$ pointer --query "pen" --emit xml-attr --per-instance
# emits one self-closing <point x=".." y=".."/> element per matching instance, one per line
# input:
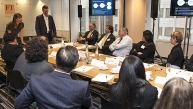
<point x="106" y="76"/>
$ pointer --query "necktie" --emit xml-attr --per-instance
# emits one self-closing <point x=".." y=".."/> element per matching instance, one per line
<point x="88" y="36"/>
<point x="102" y="42"/>
<point x="119" y="40"/>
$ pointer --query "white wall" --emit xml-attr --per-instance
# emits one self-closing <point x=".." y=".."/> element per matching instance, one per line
<point x="29" y="10"/>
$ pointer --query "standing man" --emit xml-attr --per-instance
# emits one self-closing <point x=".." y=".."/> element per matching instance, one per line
<point x="45" y="25"/>
<point x="57" y="90"/>
<point x="122" y="45"/>
<point x="90" y="36"/>
<point x="106" y="40"/>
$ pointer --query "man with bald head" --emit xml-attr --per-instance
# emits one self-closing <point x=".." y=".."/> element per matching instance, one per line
<point x="90" y="36"/>
<point x="57" y="90"/>
<point x="122" y="45"/>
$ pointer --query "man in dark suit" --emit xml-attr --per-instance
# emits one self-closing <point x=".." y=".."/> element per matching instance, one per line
<point x="57" y="90"/>
<point x="45" y="25"/>
<point x="106" y="40"/>
<point x="90" y="36"/>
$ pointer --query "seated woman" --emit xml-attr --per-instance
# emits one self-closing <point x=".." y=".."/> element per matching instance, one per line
<point x="176" y="56"/>
<point x="189" y="64"/>
<point x="132" y="88"/>
<point x="176" y="94"/>
<point x="34" y="61"/>
<point x="145" y="49"/>
<point x="11" y="50"/>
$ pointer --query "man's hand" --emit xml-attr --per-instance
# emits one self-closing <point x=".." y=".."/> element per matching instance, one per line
<point x="54" y="39"/>
<point x="139" y="53"/>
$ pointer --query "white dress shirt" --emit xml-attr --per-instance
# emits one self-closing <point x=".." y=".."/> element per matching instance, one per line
<point x="46" y="22"/>
<point x="123" y="47"/>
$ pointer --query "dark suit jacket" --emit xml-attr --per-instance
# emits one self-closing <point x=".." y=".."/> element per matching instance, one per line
<point x="54" y="90"/>
<point x="40" y="26"/>
<point x="148" y="51"/>
<point x="93" y="38"/>
<point x="176" y="56"/>
<point x="148" y="101"/>
<point x="108" y="42"/>
<point x="11" y="52"/>
<point x="189" y="64"/>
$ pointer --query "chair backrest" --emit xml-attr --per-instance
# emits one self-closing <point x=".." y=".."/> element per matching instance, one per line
<point x="9" y="65"/>
<point x="182" y="64"/>
<point x="16" y="79"/>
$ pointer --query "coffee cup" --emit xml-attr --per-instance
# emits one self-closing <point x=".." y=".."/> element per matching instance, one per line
<point x="103" y="67"/>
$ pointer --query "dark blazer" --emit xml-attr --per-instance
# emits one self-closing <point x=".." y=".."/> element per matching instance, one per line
<point x="176" y="56"/>
<point x="148" y="51"/>
<point x="54" y="90"/>
<point x="189" y="64"/>
<point x="148" y="101"/>
<point x="108" y="42"/>
<point x="40" y="26"/>
<point x="11" y="52"/>
<point x="93" y="38"/>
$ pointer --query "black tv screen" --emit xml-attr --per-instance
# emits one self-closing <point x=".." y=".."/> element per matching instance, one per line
<point x="101" y="7"/>
<point x="181" y="8"/>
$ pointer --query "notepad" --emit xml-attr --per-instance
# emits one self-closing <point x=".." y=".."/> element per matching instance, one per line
<point x="102" y="78"/>
<point x="83" y="68"/>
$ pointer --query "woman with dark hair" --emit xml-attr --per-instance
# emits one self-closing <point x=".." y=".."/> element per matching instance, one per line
<point x="15" y="27"/>
<point x="132" y="89"/>
<point x="176" y="94"/>
<point x="145" y="49"/>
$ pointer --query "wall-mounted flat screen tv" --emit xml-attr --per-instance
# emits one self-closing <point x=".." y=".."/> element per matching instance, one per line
<point x="101" y="7"/>
<point x="181" y="8"/>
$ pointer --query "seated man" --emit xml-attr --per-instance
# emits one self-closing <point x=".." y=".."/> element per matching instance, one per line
<point x="122" y="45"/>
<point x="106" y="40"/>
<point x="145" y="49"/>
<point x="11" y="50"/>
<point x="189" y="64"/>
<point x="57" y="90"/>
<point x="34" y="59"/>
<point x="90" y="36"/>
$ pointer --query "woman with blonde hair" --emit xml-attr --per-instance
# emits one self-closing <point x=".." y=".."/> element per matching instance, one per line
<point x="176" y="94"/>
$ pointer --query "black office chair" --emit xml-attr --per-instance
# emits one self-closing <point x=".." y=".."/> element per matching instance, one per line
<point x="182" y="64"/>
<point x="9" y="64"/>
<point x="16" y="81"/>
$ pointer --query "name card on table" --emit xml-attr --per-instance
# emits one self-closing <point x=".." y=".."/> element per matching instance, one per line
<point x="83" y="68"/>
<point x="96" y="62"/>
<point x="102" y="78"/>
<point x="113" y="61"/>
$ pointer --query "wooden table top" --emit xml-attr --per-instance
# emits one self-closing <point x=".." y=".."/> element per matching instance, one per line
<point x="156" y="69"/>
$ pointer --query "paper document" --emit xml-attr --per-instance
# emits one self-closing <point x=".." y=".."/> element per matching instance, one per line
<point x="53" y="54"/>
<point x="181" y="75"/>
<point x="102" y="77"/>
<point x="160" y="80"/>
<point x="146" y="65"/>
<point x="83" y="68"/>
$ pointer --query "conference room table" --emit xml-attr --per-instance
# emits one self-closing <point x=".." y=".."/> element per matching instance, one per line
<point x="155" y="69"/>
